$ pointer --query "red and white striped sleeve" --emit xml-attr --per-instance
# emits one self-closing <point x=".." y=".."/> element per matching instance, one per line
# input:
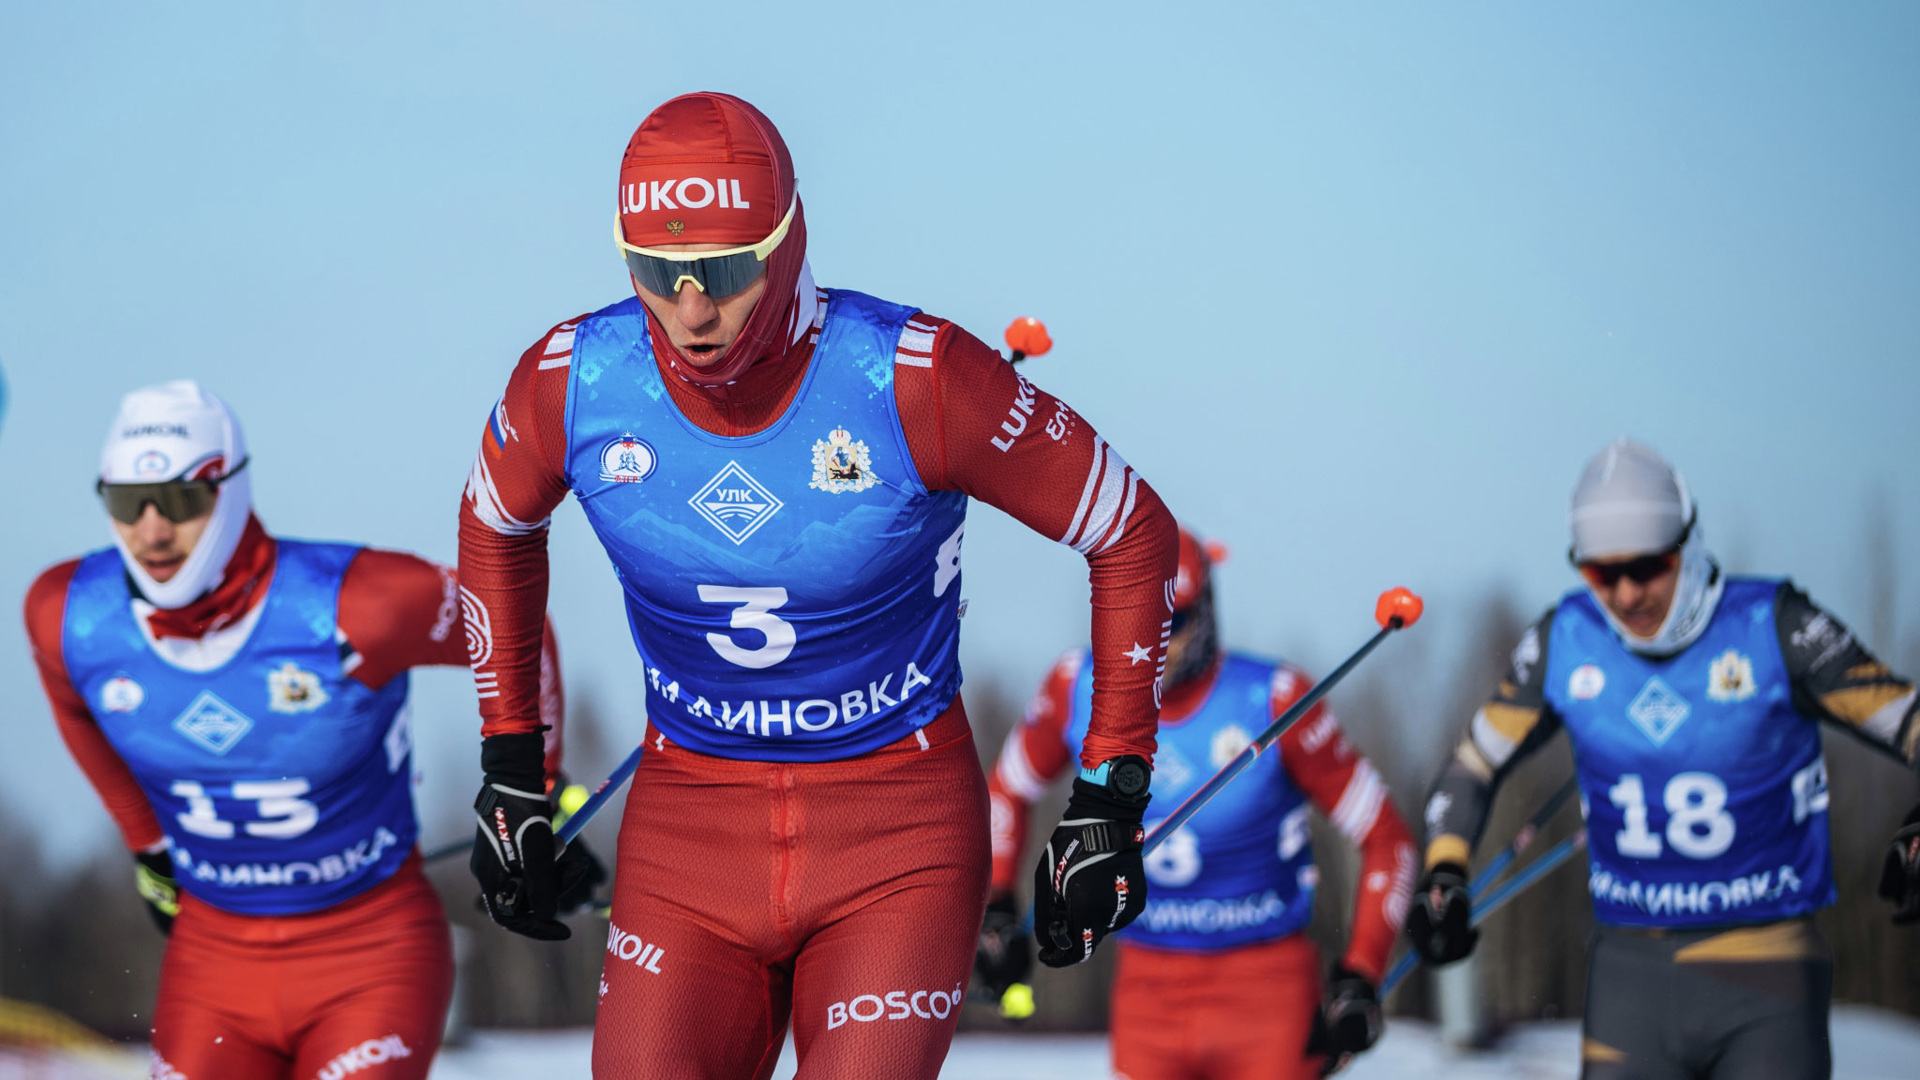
<point x="975" y="424"/>
<point x="1036" y="754"/>
<point x="518" y="477"/>
<point x="399" y="611"/>
<point x="1345" y="786"/>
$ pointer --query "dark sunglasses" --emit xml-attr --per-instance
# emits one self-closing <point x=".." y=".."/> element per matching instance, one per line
<point x="1642" y="570"/>
<point x="177" y="500"/>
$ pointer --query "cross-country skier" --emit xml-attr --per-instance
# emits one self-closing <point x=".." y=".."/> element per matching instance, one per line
<point x="1216" y="977"/>
<point x="239" y="703"/>
<point x="1692" y="698"/>
<point x="780" y="474"/>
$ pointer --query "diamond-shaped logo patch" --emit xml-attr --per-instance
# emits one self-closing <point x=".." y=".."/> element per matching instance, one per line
<point x="735" y="503"/>
<point x="212" y="723"/>
<point x="1170" y="771"/>
<point x="1658" y="710"/>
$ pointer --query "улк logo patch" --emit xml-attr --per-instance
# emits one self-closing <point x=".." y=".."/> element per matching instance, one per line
<point x="1730" y="678"/>
<point x="291" y="690"/>
<point x="212" y="723"/>
<point x="735" y="503"/>
<point x="1658" y="711"/>
<point x="841" y="463"/>
<point x="627" y="460"/>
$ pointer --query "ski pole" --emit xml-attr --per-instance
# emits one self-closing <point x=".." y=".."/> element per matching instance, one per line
<point x="1494" y="868"/>
<point x="577" y="815"/>
<point x="1499" y="863"/>
<point x="1500" y="897"/>
<point x="1548" y="861"/>
<point x="1396" y="609"/>
<point x="608" y="789"/>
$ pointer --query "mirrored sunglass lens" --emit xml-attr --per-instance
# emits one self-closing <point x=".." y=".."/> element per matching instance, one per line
<point x="176" y="502"/>
<point x="1646" y="569"/>
<point x="1641" y="570"/>
<point x="720" y="277"/>
<point x="732" y="274"/>
<point x="654" y="275"/>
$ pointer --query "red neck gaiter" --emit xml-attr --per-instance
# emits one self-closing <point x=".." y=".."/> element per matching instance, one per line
<point x="709" y="168"/>
<point x="245" y="581"/>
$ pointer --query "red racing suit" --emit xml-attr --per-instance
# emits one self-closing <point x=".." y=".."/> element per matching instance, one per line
<point x="1181" y="1013"/>
<point x="830" y="893"/>
<point x="359" y="988"/>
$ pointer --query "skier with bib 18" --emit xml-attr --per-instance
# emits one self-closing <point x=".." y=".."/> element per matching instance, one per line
<point x="1691" y="698"/>
<point x="1217" y="978"/>
<point x="779" y="474"/>
<point x="239" y="703"/>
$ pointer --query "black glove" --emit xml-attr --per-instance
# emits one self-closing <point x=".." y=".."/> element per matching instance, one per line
<point x="153" y="880"/>
<point x="1439" y="922"/>
<point x="1004" y="955"/>
<point x="522" y="877"/>
<point x="1900" y="876"/>
<point x="1090" y="881"/>
<point x="1348" y="1023"/>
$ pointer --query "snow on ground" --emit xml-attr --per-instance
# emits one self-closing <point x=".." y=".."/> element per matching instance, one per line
<point x="1868" y="1044"/>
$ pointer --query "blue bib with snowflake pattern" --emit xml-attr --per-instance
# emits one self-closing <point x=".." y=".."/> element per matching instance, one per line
<point x="1706" y="790"/>
<point x="283" y="785"/>
<point x="794" y="594"/>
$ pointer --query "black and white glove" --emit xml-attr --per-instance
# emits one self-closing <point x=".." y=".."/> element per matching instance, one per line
<point x="1900" y="876"/>
<point x="522" y="877"/>
<point x="1004" y="955"/>
<point x="1349" y="1021"/>
<point x="153" y="880"/>
<point x="1440" y="919"/>
<point x="1090" y="880"/>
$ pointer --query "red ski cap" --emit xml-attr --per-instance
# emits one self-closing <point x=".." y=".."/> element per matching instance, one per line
<point x="704" y="168"/>
<point x="1197" y="559"/>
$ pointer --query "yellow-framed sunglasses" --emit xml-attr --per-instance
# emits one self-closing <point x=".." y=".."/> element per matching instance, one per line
<point x="719" y="274"/>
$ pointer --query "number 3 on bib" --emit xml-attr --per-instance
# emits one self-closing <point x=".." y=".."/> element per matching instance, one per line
<point x="754" y="612"/>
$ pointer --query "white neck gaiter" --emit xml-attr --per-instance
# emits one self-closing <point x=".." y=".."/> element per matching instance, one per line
<point x="1695" y="597"/>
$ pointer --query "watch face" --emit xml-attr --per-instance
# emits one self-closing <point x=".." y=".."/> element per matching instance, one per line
<point x="1129" y="779"/>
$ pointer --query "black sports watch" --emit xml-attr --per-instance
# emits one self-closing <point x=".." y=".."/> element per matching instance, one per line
<point x="1126" y="778"/>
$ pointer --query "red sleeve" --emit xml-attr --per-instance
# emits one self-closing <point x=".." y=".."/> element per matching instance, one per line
<point x="400" y="611"/>
<point x="1035" y="755"/>
<point x="976" y="425"/>
<point x="518" y="478"/>
<point x="45" y="615"/>
<point x="1345" y="787"/>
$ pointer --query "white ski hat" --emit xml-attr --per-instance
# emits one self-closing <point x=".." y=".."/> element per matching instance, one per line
<point x="178" y="431"/>
<point x="1629" y="501"/>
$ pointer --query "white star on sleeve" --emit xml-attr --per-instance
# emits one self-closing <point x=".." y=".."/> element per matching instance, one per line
<point x="1137" y="654"/>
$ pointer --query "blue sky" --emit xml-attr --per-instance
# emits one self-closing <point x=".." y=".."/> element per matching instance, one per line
<point x="1358" y="287"/>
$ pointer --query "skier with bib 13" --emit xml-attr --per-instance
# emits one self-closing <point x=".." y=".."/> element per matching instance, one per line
<point x="1691" y="698"/>
<point x="779" y="474"/>
<point x="239" y="702"/>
